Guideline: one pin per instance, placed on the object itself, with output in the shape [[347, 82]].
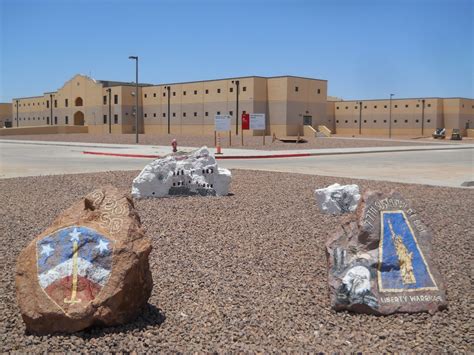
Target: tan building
[[5, 113], [410, 117], [289, 103]]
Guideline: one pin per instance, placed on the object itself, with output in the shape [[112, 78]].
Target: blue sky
[[364, 48]]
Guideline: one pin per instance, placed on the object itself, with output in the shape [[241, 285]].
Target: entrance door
[[78, 119]]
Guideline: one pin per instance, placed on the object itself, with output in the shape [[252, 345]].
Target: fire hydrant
[[174, 144]]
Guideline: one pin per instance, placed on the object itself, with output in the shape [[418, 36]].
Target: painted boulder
[[381, 261], [90, 267], [194, 173], [337, 199]]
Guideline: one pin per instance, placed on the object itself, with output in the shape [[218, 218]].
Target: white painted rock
[[337, 199], [195, 173]]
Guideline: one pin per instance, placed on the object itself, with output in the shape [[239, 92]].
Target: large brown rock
[[381, 262], [90, 267]]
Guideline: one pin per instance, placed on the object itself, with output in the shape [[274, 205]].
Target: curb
[[289, 155]]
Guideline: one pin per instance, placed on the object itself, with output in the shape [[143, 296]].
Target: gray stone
[[337, 199], [380, 261]]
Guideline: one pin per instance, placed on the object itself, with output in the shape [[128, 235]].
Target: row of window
[[385, 106], [231, 113], [298, 89], [384, 121], [78, 102], [115, 119], [105, 99], [196, 92]]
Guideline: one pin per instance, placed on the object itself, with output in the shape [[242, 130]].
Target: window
[[337, 121], [296, 89], [66, 119], [66, 103], [55, 103], [145, 115], [417, 121], [384, 106], [395, 121], [105, 99], [355, 121], [174, 93], [346, 121], [154, 115], [347, 107], [105, 119], [164, 114], [115, 119], [429, 105], [365, 106], [47, 120], [218, 91], [55, 120], [207, 91], [195, 114], [195, 92], [154, 94], [218, 112], [406, 121], [365, 121], [355, 107], [244, 88], [145, 96], [375, 106], [231, 89], [206, 114], [115, 99], [231, 113], [174, 114], [375, 121], [78, 102], [184, 93], [337, 107], [406, 106], [384, 121], [417, 105], [164, 94], [396, 106], [319, 91], [428, 121], [184, 114]]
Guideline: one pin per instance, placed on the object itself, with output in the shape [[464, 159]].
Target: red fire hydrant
[[174, 144]]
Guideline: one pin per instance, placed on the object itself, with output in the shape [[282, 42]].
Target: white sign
[[222, 123], [257, 121]]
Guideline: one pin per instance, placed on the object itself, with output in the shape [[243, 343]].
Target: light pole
[[109, 90], [136, 96], [390, 118], [237, 83], [360, 118], [168, 88], [16, 113], [422, 116]]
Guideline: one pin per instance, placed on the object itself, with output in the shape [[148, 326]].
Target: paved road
[[448, 167]]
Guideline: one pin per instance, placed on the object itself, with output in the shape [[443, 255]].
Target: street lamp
[[16, 112], [136, 96], [109, 90], [237, 83], [422, 116], [168, 88], [390, 118], [51, 107], [360, 118]]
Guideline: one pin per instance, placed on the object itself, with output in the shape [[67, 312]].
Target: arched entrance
[[79, 119]]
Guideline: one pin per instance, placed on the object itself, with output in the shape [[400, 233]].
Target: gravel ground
[[196, 141], [244, 272]]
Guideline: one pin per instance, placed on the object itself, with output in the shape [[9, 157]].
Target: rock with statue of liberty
[[381, 261], [90, 267]]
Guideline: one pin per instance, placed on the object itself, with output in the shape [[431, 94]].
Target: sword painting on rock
[[74, 264]]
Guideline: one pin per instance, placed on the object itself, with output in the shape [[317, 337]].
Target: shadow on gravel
[[151, 316]]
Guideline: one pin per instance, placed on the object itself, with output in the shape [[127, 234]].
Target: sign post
[[257, 122], [245, 124], [221, 124]]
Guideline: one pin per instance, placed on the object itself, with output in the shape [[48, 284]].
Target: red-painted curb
[[296, 155]]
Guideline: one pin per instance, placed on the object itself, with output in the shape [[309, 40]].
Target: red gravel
[[244, 272], [250, 142]]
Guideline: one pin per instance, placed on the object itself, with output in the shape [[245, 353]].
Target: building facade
[[288, 102], [5, 113]]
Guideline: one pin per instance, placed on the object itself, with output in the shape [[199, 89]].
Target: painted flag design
[[74, 264]]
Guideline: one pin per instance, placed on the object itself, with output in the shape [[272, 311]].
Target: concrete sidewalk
[[147, 151]]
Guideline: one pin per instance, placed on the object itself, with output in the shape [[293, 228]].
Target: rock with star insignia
[[90, 267]]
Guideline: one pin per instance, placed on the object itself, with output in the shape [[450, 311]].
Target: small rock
[[337, 199]]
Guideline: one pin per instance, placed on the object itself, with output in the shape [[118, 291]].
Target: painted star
[[103, 246], [46, 249], [75, 235]]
